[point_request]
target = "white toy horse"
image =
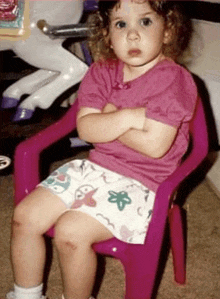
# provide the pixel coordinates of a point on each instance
(58, 68)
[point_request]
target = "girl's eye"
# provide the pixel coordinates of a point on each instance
(120, 24)
(145, 22)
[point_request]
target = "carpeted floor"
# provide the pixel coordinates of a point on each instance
(203, 251)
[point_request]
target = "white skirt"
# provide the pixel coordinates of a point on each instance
(121, 204)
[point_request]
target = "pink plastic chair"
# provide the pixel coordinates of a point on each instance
(140, 261)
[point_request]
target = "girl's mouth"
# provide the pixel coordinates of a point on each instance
(134, 52)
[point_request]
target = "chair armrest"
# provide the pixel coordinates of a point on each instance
(27, 153)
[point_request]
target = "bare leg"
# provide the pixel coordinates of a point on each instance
(75, 234)
(32, 218)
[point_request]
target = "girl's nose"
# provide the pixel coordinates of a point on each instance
(133, 34)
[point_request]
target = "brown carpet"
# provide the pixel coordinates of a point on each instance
(203, 251)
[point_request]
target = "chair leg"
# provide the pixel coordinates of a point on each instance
(177, 244)
(139, 281)
(140, 267)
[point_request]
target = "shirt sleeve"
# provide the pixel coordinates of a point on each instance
(174, 99)
(94, 88)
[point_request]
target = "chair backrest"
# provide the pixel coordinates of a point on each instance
(199, 132)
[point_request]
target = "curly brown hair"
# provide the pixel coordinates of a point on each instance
(171, 11)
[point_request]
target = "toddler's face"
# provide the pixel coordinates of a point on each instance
(137, 34)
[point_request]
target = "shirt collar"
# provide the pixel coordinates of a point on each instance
(119, 78)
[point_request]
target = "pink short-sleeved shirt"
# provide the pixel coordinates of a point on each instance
(169, 94)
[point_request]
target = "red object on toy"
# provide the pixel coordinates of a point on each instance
(140, 261)
(8, 10)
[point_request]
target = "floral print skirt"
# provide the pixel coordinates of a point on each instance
(121, 204)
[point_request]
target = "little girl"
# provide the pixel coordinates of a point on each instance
(135, 104)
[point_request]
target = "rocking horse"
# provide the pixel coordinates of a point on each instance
(58, 69)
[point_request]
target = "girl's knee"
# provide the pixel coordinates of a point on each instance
(19, 223)
(70, 232)
(78, 230)
(25, 219)
(20, 216)
(37, 212)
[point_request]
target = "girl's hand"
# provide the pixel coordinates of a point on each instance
(109, 108)
(136, 115)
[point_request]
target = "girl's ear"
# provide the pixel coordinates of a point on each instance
(107, 38)
(168, 34)
(104, 32)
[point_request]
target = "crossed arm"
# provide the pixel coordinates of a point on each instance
(129, 126)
